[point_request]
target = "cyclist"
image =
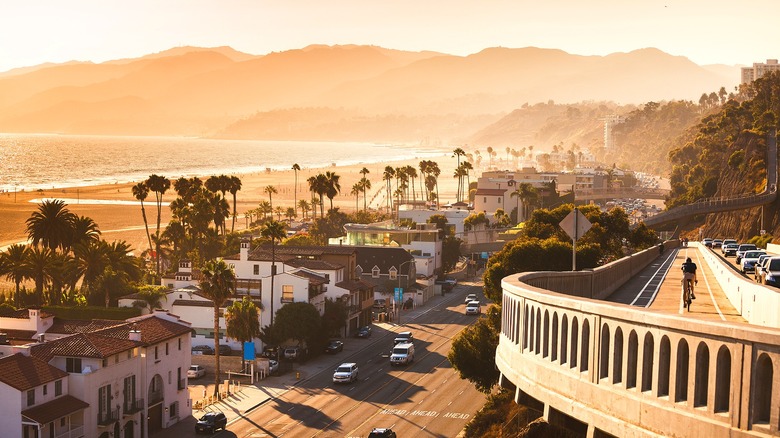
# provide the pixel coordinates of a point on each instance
(689, 279)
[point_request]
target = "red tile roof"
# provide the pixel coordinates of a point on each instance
(55, 409)
(321, 265)
(153, 329)
(83, 345)
(26, 372)
(70, 326)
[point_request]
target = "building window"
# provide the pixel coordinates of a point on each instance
(256, 269)
(375, 272)
(105, 363)
(174, 409)
(484, 199)
(30, 397)
(58, 388)
(393, 273)
(73, 364)
(179, 344)
(45, 389)
(287, 293)
(129, 392)
(104, 402)
(156, 353)
(166, 348)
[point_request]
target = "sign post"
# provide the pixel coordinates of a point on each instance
(575, 224)
(399, 297)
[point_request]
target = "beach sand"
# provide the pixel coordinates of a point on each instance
(124, 222)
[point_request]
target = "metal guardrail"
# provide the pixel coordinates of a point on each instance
(730, 203)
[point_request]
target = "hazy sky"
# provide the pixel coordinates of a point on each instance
(705, 31)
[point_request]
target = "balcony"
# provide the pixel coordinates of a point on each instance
(132, 406)
(107, 417)
(73, 432)
(182, 384)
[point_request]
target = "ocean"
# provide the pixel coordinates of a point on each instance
(44, 161)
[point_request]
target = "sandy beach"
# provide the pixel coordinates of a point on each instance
(123, 221)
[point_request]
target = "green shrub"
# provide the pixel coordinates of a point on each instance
(89, 313)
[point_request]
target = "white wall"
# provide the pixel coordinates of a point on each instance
(11, 406)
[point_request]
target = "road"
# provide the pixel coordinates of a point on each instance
(424, 399)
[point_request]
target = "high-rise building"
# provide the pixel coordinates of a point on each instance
(750, 74)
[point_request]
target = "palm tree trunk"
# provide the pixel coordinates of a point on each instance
(216, 350)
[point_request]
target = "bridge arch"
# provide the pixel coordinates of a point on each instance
(647, 362)
(723, 380)
(702, 377)
(762, 394)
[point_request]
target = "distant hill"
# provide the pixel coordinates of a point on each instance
(377, 93)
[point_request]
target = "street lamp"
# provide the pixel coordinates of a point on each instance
(401, 294)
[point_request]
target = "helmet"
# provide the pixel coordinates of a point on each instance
(688, 260)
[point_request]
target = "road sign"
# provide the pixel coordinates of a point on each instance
(399, 294)
(575, 224)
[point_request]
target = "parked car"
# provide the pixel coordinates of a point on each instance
(473, 308)
(730, 249)
(225, 350)
(346, 373)
(743, 248)
(202, 350)
(380, 303)
(196, 371)
(749, 259)
(382, 432)
(760, 269)
(334, 346)
(772, 272)
(364, 332)
(726, 242)
(294, 352)
(403, 337)
(211, 422)
(470, 297)
(270, 353)
(273, 366)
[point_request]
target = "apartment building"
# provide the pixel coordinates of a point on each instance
(759, 69)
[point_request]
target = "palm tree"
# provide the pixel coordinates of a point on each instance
(304, 206)
(218, 283)
(295, 168)
(279, 212)
(14, 261)
(388, 175)
(274, 231)
(365, 186)
(150, 297)
(84, 230)
(140, 191)
(242, 322)
(314, 203)
(271, 190)
(265, 208)
(332, 186)
(159, 185)
(290, 214)
(38, 266)
(527, 195)
(233, 188)
(356, 191)
(319, 185)
(433, 169)
(91, 262)
(51, 225)
(411, 173)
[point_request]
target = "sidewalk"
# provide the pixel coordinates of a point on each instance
(250, 397)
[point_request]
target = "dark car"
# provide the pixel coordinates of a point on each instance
(364, 332)
(334, 346)
(382, 432)
(730, 249)
(270, 352)
(225, 350)
(202, 350)
(211, 422)
(772, 272)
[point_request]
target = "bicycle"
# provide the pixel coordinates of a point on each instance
(687, 292)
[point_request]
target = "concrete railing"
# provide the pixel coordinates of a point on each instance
(599, 367)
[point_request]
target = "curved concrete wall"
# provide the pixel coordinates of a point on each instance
(629, 371)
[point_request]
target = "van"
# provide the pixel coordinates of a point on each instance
(403, 354)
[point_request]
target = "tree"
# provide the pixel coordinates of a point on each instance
(473, 351)
(51, 225)
(150, 297)
(333, 187)
(295, 168)
(218, 283)
(319, 185)
(243, 323)
(450, 253)
(233, 188)
(159, 185)
(290, 214)
(335, 317)
(38, 265)
(14, 261)
(527, 195)
(274, 231)
(140, 191)
(271, 190)
(388, 175)
(299, 321)
(356, 189)
(304, 206)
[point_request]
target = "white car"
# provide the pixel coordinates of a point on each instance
(470, 298)
(196, 371)
(473, 308)
(749, 259)
(346, 373)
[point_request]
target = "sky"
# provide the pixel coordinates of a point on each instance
(705, 31)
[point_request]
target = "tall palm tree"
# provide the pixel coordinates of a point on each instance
(271, 190)
(365, 186)
(84, 230)
(274, 231)
(265, 208)
(527, 195)
(233, 188)
(242, 322)
(433, 169)
(356, 191)
(314, 203)
(38, 265)
(91, 262)
(291, 213)
(159, 185)
(388, 175)
(411, 173)
(319, 186)
(218, 283)
(304, 206)
(295, 168)
(51, 225)
(458, 152)
(332, 186)
(14, 260)
(141, 192)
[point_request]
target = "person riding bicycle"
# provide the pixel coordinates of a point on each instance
(689, 275)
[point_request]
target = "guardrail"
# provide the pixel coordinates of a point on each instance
(605, 367)
(730, 203)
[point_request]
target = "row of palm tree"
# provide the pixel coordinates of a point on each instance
(325, 184)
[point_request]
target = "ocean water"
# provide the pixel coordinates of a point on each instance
(45, 161)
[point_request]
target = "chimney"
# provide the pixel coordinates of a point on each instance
(135, 334)
(244, 252)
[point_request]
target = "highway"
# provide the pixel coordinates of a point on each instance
(423, 399)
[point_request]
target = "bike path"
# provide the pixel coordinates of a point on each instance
(659, 287)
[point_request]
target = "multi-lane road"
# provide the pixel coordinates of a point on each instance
(424, 399)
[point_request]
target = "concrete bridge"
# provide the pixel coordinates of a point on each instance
(650, 369)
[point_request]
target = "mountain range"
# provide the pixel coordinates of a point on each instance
(351, 92)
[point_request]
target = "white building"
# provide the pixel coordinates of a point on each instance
(759, 69)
